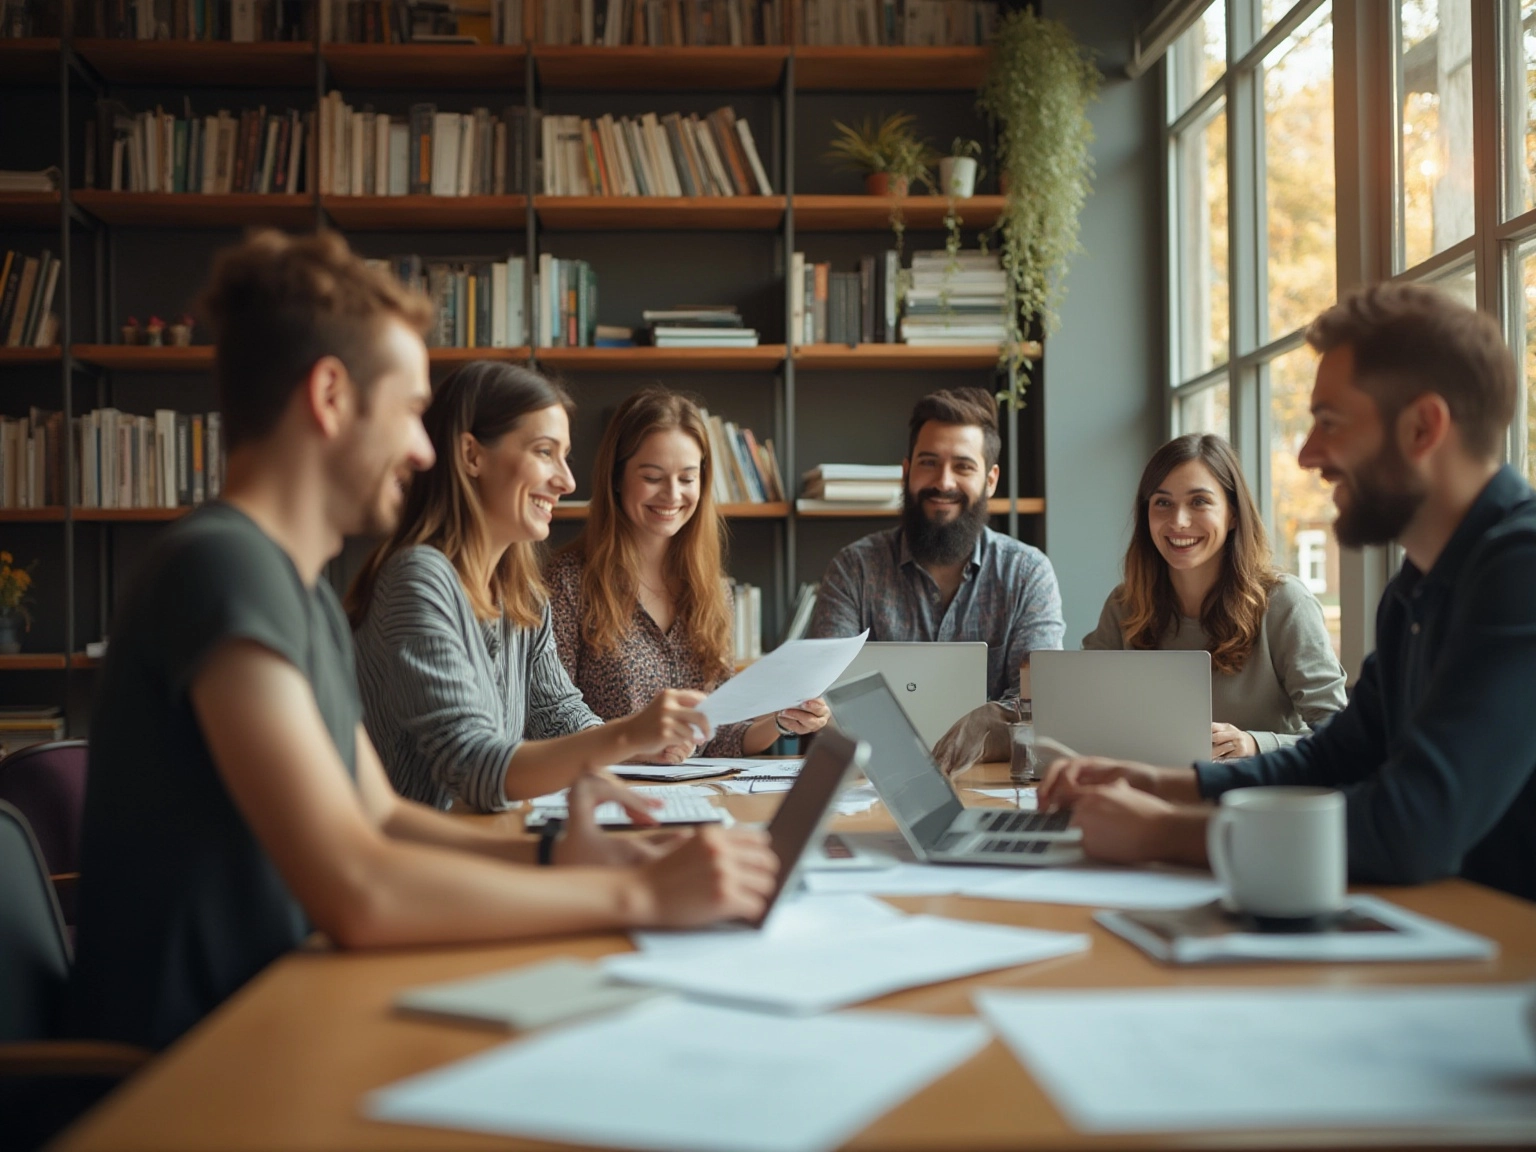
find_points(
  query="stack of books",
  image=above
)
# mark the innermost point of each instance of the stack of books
(25, 724)
(564, 303)
(662, 23)
(169, 460)
(706, 326)
(428, 153)
(850, 487)
(43, 180)
(747, 630)
(828, 307)
(421, 21)
(647, 155)
(954, 300)
(237, 20)
(917, 23)
(479, 302)
(27, 287)
(746, 469)
(254, 151)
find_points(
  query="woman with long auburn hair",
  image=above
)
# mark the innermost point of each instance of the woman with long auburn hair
(1198, 575)
(463, 691)
(640, 600)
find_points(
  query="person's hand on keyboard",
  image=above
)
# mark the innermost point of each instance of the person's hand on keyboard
(583, 842)
(670, 721)
(712, 874)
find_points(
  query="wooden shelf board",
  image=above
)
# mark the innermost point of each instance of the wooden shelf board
(763, 358)
(776, 510)
(647, 213)
(28, 209)
(138, 358)
(33, 662)
(195, 210)
(130, 515)
(873, 213)
(50, 514)
(891, 69)
(898, 357)
(425, 65)
(168, 63)
(428, 213)
(29, 60)
(633, 68)
(998, 506)
(518, 355)
(19, 356)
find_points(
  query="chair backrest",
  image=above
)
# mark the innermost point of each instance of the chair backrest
(47, 783)
(36, 958)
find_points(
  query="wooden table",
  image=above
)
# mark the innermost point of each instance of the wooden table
(286, 1062)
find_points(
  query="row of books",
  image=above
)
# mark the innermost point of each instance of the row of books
(860, 486)
(479, 303)
(564, 303)
(27, 287)
(670, 155)
(256, 151)
(421, 21)
(746, 469)
(22, 725)
(238, 20)
(828, 307)
(747, 622)
(475, 153)
(662, 23)
(954, 299)
(167, 460)
(913, 23)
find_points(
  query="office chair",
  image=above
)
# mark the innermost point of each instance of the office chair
(46, 782)
(44, 1081)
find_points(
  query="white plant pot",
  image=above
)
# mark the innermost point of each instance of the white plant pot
(957, 176)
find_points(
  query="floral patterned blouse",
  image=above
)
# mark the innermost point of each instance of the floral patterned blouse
(616, 684)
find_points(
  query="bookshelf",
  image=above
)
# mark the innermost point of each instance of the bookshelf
(142, 253)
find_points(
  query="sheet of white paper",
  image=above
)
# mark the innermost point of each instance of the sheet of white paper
(655, 791)
(792, 918)
(819, 973)
(740, 787)
(684, 771)
(905, 879)
(791, 674)
(1201, 1059)
(751, 767)
(707, 1078)
(859, 798)
(1023, 797)
(1101, 886)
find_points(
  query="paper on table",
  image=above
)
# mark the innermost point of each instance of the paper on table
(1023, 797)
(710, 1078)
(660, 791)
(1101, 886)
(1193, 1059)
(794, 672)
(796, 918)
(905, 880)
(819, 973)
(752, 767)
(753, 787)
(859, 798)
(684, 771)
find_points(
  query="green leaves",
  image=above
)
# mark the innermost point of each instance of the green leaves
(890, 146)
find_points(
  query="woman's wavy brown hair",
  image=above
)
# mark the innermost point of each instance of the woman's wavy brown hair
(442, 507)
(1233, 613)
(695, 559)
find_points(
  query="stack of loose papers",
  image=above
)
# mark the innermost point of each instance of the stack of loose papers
(823, 972)
(1224, 1059)
(691, 1076)
(791, 674)
(1093, 885)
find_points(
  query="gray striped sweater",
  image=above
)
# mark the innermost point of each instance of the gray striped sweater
(448, 697)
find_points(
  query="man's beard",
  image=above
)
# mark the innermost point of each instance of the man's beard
(943, 543)
(1384, 495)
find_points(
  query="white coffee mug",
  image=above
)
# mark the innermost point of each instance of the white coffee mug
(1279, 851)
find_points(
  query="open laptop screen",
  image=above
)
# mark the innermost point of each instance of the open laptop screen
(899, 766)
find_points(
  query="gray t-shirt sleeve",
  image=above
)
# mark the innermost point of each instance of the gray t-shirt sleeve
(1304, 661)
(1107, 637)
(555, 706)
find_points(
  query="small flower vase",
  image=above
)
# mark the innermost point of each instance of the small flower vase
(181, 335)
(152, 337)
(10, 632)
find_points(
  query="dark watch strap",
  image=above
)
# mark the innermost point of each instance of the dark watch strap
(547, 837)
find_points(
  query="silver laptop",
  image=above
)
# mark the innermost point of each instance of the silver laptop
(931, 818)
(935, 683)
(1149, 706)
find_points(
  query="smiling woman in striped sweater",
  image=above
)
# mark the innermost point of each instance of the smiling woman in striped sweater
(463, 691)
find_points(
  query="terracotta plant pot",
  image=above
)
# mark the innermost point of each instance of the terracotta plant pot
(884, 184)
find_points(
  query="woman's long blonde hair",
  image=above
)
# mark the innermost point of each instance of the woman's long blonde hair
(442, 507)
(1233, 613)
(610, 559)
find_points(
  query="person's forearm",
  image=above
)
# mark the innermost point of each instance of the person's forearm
(407, 893)
(1178, 786)
(1181, 836)
(420, 824)
(541, 766)
(760, 735)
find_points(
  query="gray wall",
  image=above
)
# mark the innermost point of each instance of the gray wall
(1104, 412)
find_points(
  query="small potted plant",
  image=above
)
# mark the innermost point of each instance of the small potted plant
(15, 584)
(181, 333)
(154, 332)
(132, 332)
(890, 154)
(959, 171)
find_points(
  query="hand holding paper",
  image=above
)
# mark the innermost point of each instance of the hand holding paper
(791, 674)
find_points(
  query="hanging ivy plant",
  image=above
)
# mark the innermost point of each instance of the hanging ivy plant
(1038, 87)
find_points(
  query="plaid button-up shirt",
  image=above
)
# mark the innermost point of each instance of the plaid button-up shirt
(1007, 597)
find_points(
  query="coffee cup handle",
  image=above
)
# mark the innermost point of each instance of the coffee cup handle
(1218, 847)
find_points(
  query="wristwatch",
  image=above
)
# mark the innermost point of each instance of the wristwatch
(547, 837)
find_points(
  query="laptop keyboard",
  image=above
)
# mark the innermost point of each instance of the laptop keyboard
(1013, 823)
(675, 809)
